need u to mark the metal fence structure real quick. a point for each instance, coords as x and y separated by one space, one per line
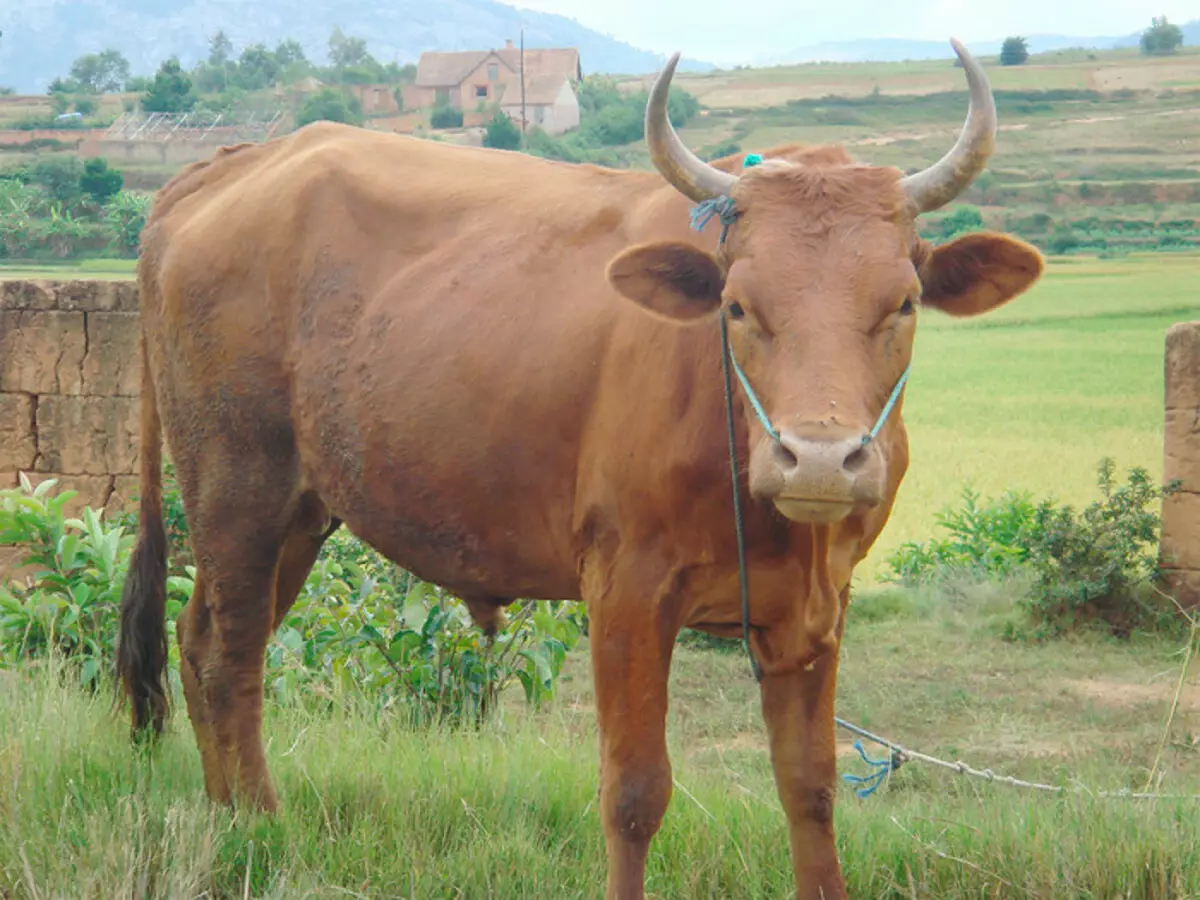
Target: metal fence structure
161 127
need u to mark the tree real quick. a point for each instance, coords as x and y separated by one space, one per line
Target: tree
330 105
502 133
1014 51
347 52
220 49
171 90
99 181
1161 38
257 68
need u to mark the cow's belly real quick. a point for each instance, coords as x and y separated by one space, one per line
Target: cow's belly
447 439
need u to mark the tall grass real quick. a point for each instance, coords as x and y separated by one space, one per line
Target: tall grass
371 808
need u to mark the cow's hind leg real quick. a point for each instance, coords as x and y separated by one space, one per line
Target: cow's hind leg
248 577
195 632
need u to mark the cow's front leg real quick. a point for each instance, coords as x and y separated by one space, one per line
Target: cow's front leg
798 706
631 636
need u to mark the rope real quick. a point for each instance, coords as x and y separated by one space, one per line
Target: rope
726 358
899 755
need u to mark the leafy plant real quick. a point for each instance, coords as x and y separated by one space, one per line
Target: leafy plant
360 623
367 626
1097 564
502 133
1085 567
99 181
126 215
985 540
445 116
68 604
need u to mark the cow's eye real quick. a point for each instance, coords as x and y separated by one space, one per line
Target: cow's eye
906 307
736 311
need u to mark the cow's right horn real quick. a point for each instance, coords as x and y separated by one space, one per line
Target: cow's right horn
691 176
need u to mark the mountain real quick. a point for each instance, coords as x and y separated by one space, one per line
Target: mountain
41 38
900 49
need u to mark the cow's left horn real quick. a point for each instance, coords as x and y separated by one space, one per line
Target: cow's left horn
954 172
691 176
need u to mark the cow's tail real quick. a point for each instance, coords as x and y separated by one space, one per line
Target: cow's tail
142 644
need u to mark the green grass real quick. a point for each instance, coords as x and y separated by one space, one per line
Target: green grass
115 269
370 809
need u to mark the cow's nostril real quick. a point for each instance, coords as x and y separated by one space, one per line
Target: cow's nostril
785 457
855 460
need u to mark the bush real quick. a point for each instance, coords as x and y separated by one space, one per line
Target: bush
330 105
1087 567
985 540
502 133
360 623
1095 565
445 116
69 605
100 182
126 215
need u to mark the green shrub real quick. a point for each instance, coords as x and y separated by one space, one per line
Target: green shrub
1096 565
126 215
985 540
1089 567
330 105
360 623
100 182
445 116
502 133
69 604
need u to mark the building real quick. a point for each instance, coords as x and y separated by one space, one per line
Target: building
481 78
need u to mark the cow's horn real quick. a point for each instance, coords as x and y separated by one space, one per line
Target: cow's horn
690 176
954 172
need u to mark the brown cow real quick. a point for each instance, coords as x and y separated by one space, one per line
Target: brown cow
429 344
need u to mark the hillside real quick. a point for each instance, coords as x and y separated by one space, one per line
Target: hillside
899 50
42 37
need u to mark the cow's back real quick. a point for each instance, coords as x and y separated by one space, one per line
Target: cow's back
417 333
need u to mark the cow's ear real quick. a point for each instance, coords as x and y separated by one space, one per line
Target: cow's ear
977 273
670 278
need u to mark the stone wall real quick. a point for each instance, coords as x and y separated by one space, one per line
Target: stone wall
1180 548
70 370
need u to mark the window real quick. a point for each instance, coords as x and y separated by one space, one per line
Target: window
441 96
539 114
493 71
481 90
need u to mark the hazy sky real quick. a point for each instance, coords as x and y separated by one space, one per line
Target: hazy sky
734 30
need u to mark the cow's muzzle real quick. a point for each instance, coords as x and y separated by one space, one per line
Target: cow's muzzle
818 479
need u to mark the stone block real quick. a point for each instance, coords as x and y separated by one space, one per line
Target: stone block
125 488
41 352
1179 547
18 445
88 435
1183 585
96 296
1181 447
107 295
1181 363
113 365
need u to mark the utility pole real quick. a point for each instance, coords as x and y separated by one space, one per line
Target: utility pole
522 81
